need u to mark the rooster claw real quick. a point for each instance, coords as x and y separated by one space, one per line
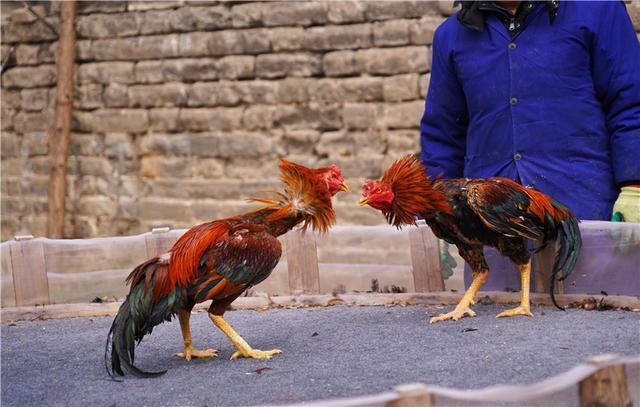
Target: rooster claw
515 311
256 354
188 354
456 314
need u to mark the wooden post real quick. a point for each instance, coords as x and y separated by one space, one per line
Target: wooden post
543 267
61 130
607 387
425 260
302 262
30 282
412 395
158 242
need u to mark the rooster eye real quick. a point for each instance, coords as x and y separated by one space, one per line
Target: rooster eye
379 190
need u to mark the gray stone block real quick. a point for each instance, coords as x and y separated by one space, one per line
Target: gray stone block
403 115
112 120
341 12
392 61
340 63
281 65
391 33
164 95
107 25
337 37
401 87
298 13
106 72
136 48
29 77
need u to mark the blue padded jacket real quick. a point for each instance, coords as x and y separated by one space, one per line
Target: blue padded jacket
556 107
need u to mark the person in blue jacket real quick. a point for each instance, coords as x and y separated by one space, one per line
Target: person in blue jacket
545 93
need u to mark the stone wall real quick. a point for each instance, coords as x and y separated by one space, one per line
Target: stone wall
183 108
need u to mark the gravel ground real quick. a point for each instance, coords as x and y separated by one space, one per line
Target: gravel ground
328 353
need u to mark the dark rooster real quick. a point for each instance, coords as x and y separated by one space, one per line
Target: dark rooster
472 213
218 261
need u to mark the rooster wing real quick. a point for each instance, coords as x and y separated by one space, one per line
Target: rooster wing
244 257
510 209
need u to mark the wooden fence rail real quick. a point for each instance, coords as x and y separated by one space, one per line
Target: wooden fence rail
31 287
37 265
602 381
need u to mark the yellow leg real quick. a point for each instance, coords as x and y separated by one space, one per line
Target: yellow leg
524 308
244 350
462 308
189 350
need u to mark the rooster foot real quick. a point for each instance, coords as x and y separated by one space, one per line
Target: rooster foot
516 311
456 314
256 354
190 353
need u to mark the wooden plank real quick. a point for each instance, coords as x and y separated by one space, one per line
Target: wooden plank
302 262
318 300
543 267
425 260
60 133
607 387
30 283
158 242
412 395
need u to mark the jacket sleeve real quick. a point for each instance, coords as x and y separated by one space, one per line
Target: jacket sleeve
443 126
616 76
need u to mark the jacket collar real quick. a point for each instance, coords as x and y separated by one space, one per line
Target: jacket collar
473 13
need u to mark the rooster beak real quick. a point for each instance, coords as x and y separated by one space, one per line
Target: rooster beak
344 186
363 201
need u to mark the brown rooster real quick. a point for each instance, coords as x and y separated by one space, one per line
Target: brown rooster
472 213
218 261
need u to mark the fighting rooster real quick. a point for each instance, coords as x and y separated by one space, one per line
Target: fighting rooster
472 213
218 261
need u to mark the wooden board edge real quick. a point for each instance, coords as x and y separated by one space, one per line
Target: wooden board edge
57 311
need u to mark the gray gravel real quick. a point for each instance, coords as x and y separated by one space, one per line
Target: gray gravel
329 352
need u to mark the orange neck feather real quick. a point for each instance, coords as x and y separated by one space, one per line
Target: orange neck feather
413 191
305 198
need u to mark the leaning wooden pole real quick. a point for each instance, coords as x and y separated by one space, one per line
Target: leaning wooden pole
60 133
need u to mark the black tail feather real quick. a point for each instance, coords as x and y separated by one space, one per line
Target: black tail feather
121 338
137 317
569 244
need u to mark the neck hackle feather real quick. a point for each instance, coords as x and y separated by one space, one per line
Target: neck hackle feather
413 192
305 195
